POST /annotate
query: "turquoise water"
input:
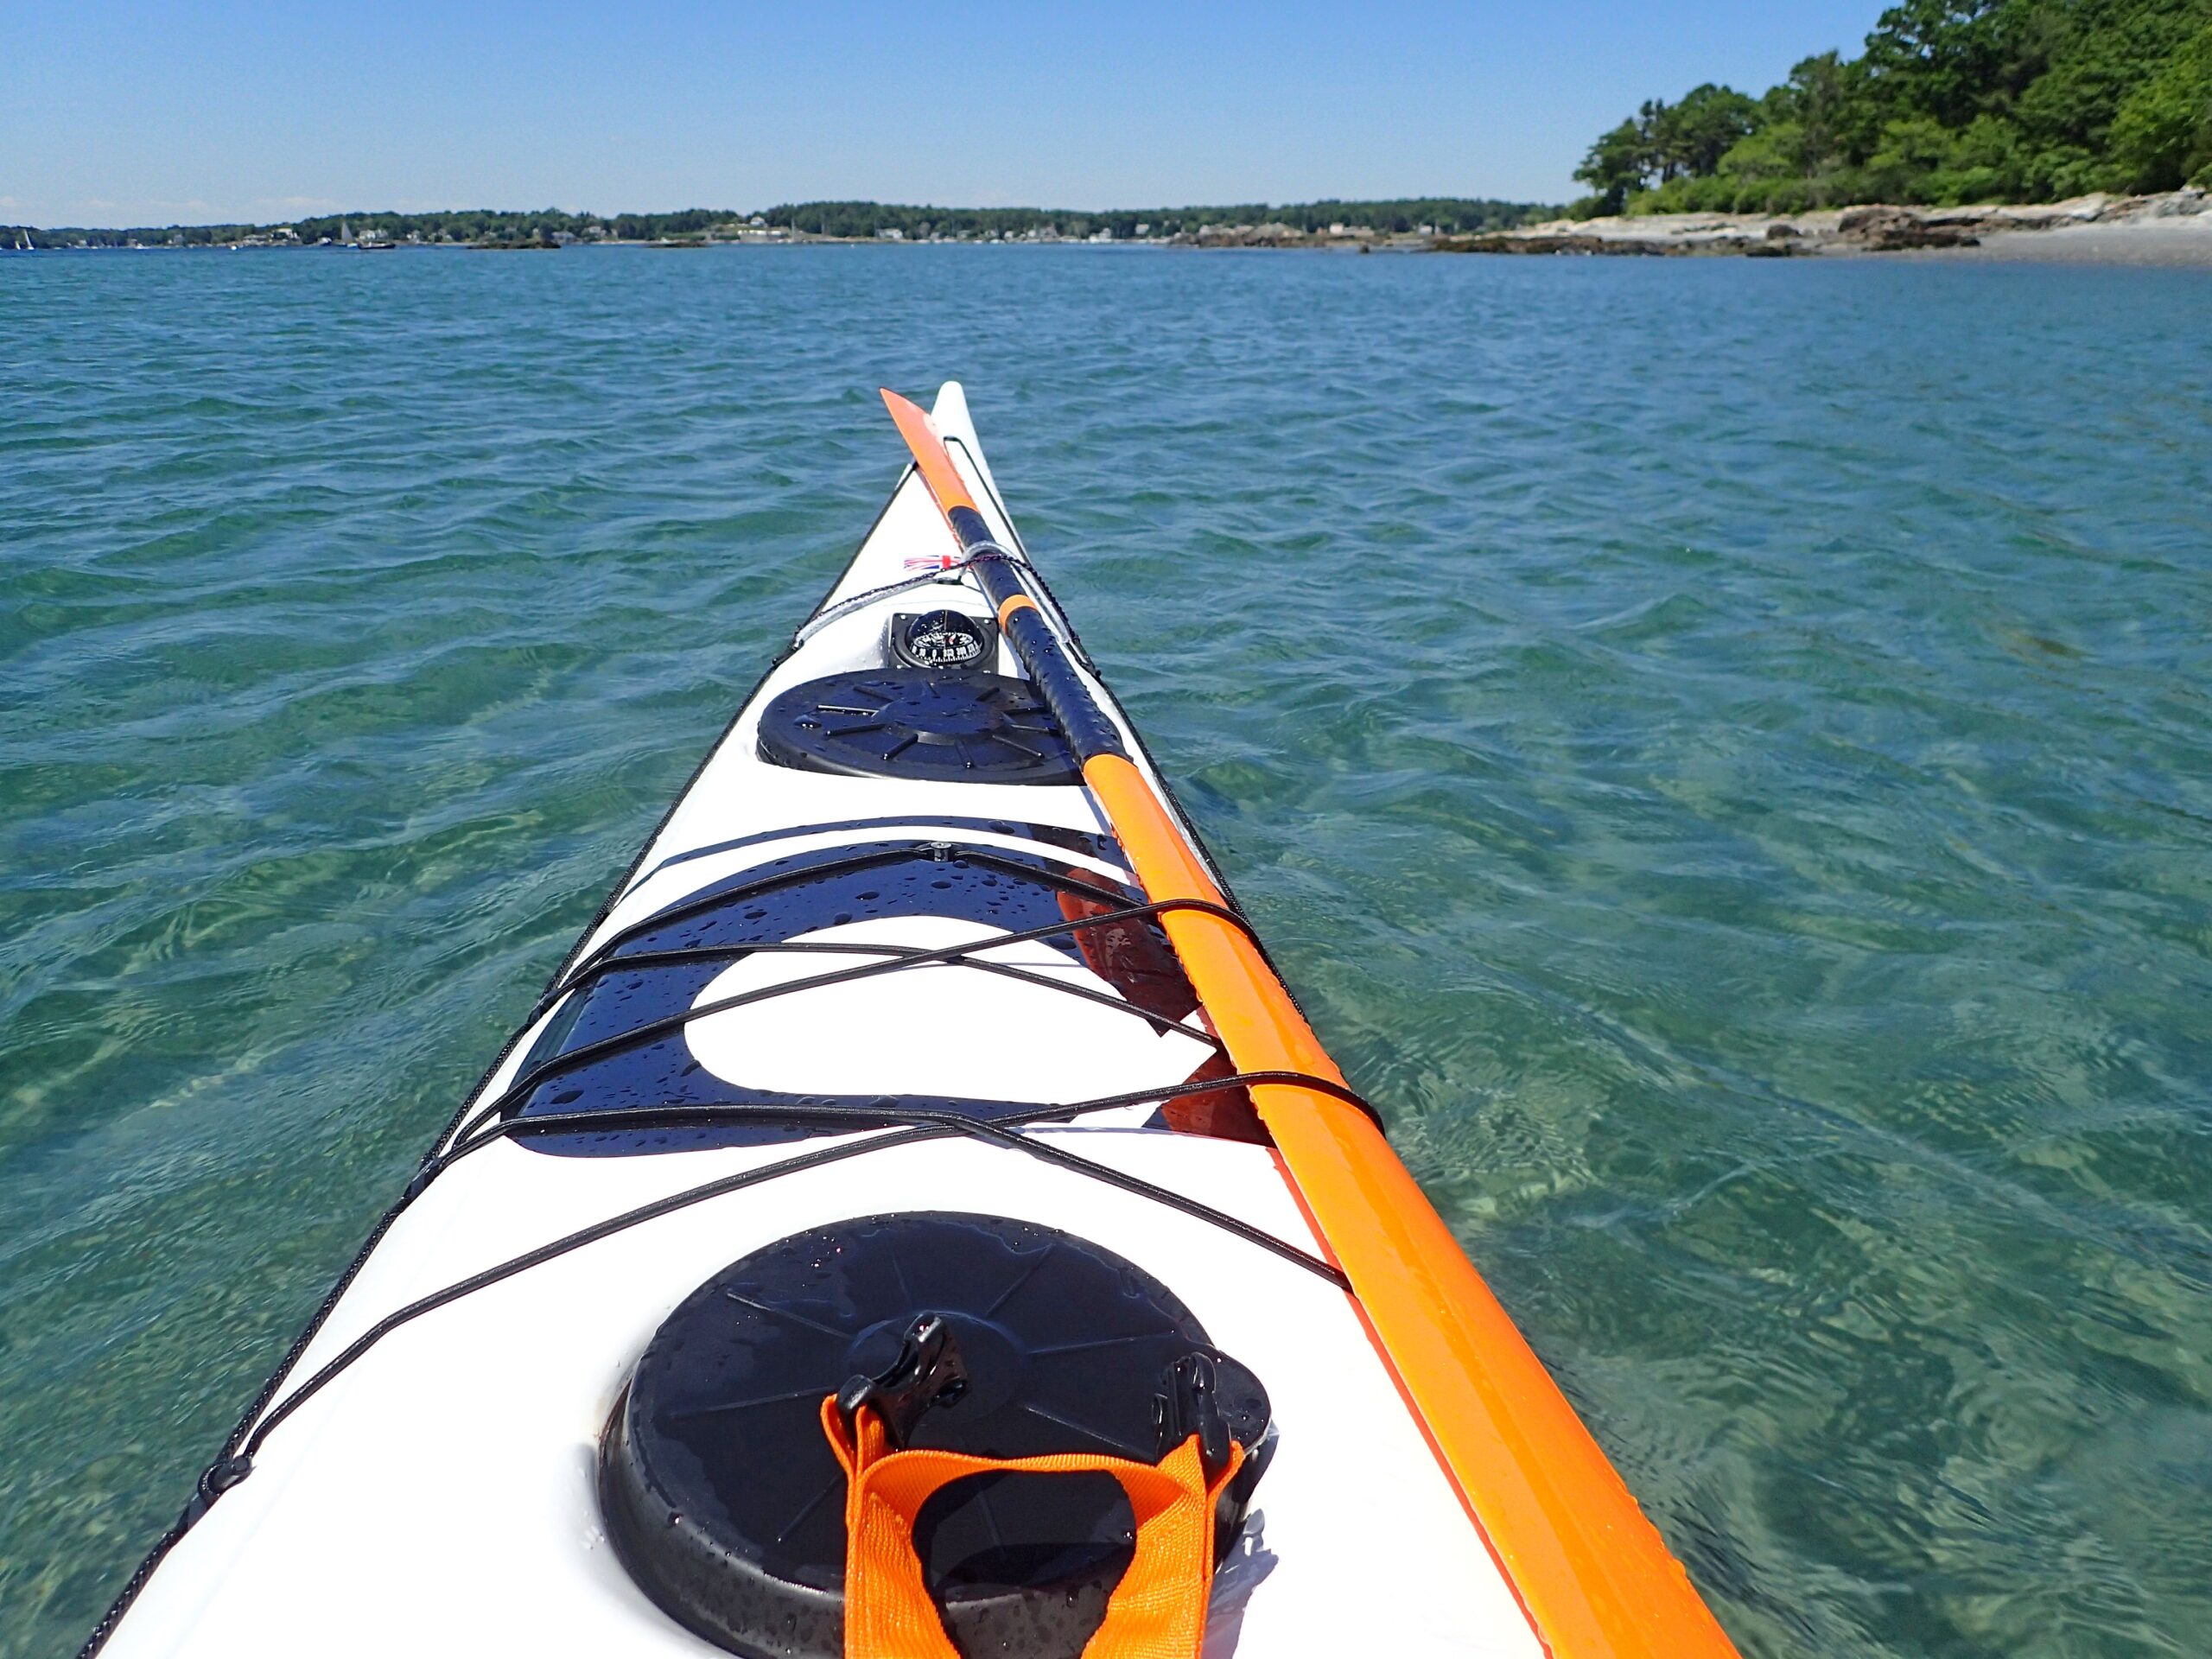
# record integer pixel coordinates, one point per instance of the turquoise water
(1723, 749)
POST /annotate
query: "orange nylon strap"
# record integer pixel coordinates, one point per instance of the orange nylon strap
(1157, 1611)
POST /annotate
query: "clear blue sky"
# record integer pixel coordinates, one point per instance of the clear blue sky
(114, 113)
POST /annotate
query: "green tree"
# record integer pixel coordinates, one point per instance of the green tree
(1690, 138)
(1826, 97)
(1912, 148)
(1617, 164)
(1952, 59)
(1952, 100)
(2162, 137)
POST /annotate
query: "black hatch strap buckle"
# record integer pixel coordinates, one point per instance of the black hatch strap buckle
(1189, 1403)
(929, 1371)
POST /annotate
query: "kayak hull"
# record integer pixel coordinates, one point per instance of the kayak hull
(439, 1491)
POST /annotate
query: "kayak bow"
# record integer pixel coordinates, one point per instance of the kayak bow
(915, 1221)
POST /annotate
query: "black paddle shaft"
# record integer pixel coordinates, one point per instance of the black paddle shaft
(1090, 731)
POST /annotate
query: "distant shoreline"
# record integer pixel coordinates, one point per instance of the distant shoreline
(2171, 229)
(1315, 222)
(1231, 238)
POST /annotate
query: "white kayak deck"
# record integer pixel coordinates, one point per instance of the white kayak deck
(439, 1497)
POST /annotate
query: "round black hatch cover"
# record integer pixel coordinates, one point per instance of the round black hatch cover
(726, 1505)
(947, 725)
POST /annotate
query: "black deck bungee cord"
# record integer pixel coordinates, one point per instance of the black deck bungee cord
(699, 903)
(620, 1042)
(710, 1114)
(949, 574)
(683, 955)
(1086, 843)
(902, 1125)
(583, 962)
(910, 1127)
(469, 1132)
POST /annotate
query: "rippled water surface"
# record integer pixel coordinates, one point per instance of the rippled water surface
(1723, 748)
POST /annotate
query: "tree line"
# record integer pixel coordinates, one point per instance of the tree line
(1441, 213)
(1950, 101)
(468, 226)
(484, 227)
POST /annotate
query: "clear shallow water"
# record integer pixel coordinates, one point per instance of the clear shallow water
(1722, 748)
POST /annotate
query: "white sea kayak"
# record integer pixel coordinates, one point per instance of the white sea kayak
(916, 1221)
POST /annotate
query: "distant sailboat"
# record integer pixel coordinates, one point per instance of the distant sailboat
(367, 241)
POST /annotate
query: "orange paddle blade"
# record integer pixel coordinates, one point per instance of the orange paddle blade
(929, 452)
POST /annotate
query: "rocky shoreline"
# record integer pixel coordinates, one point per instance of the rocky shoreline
(2180, 220)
